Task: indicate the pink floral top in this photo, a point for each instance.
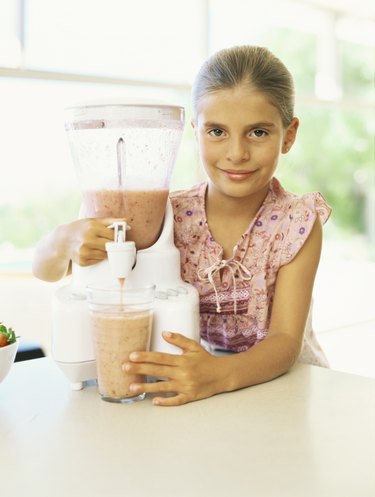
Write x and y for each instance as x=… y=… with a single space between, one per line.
x=236 y=294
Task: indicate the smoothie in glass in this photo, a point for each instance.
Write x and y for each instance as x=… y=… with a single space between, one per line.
x=121 y=323
x=115 y=336
x=143 y=210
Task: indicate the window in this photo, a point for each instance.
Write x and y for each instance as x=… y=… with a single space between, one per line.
x=131 y=39
x=10 y=46
x=56 y=53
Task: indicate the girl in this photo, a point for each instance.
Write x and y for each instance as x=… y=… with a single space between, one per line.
x=250 y=247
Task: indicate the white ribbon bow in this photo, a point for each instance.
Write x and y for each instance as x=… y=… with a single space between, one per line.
x=208 y=274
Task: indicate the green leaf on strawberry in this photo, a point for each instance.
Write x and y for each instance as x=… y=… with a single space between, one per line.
x=7 y=335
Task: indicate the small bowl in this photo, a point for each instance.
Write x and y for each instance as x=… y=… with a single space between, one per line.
x=7 y=356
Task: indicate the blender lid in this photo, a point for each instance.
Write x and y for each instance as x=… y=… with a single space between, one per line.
x=124 y=109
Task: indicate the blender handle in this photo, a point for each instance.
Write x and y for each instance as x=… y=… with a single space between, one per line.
x=120 y=227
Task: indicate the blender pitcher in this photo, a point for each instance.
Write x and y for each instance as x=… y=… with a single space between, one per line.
x=124 y=156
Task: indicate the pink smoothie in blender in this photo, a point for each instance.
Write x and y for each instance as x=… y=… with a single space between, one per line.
x=142 y=209
x=124 y=155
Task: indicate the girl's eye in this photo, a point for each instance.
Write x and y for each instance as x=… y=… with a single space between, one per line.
x=259 y=133
x=216 y=132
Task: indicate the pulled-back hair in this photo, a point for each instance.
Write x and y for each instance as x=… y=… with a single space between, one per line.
x=251 y=65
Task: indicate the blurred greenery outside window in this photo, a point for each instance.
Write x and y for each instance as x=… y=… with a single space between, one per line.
x=334 y=152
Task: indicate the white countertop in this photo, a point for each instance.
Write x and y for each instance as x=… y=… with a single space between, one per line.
x=310 y=433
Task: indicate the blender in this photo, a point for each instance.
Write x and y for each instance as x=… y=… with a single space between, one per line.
x=124 y=155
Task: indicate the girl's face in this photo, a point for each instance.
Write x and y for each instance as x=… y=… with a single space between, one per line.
x=240 y=136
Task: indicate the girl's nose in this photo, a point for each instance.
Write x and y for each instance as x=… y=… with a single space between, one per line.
x=238 y=150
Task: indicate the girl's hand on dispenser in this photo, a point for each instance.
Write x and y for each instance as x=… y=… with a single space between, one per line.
x=86 y=239
x=193 y=375
x=82 y=242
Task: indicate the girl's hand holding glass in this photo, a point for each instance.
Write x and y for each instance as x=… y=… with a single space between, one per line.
x=193 y=375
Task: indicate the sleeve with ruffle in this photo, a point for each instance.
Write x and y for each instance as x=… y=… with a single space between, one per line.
x=302 y=215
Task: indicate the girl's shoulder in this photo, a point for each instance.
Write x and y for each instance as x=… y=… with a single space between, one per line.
x=293 y=217
x=190 y=200
x=190 y=226
x=294 y=206
x=196 y=191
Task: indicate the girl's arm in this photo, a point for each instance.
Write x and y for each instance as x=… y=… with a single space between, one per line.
x=82 y=242
x=279 y=351
x=196 y=374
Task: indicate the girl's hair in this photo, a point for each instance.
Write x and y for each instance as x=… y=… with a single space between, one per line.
x=251 y=65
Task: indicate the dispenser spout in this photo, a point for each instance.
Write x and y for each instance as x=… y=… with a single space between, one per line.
x=121 y=254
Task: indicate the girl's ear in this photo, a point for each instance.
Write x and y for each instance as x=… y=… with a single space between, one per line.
x=290 y=135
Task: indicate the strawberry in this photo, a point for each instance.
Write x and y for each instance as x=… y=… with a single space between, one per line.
x=7 y=335
x=3 y=340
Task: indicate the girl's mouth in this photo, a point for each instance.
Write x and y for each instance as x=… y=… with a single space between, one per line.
x=236 y=175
